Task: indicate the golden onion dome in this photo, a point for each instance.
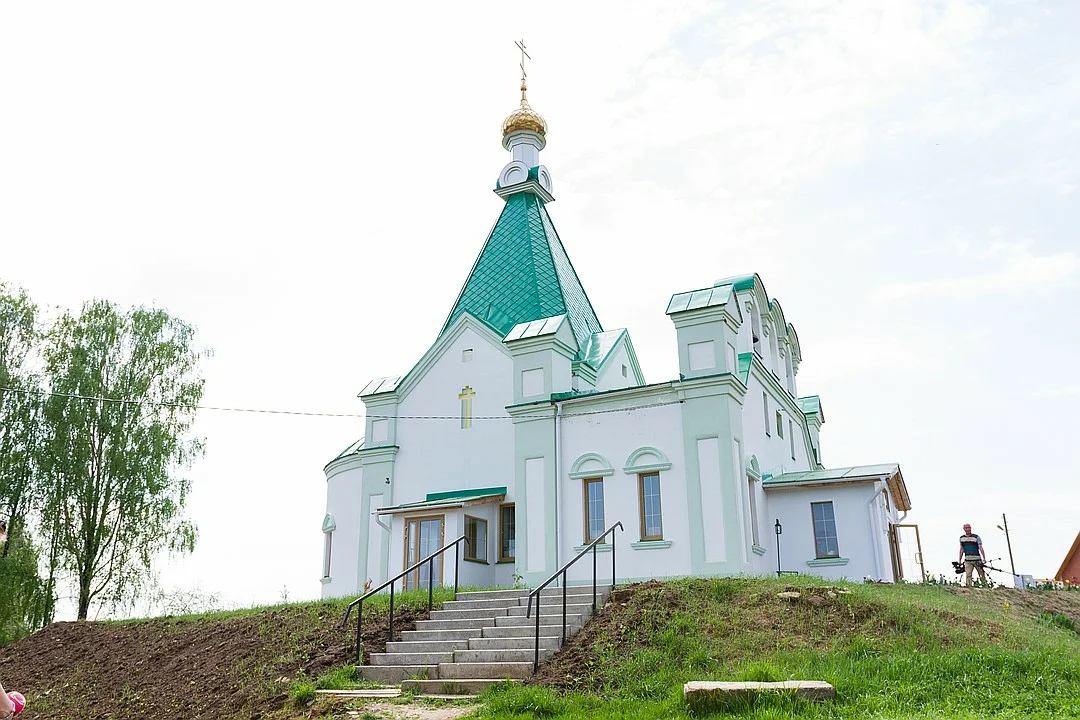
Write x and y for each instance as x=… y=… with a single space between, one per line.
x=524 y=118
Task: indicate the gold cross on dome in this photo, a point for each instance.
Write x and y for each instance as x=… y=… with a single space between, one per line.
x=466 y=397
x=521 y=46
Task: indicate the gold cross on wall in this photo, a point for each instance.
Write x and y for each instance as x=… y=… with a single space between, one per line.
x=466 y=397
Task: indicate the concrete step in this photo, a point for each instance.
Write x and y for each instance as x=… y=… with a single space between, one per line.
x=492 y=594
x=436 y=634
x=528 y=631
x=420 y=658
x=470 y=671
x=497 y=604
x=466 y=624
x=512 y=643
x=454 y=614
x=473 y=686
x=394 y=674
x=553 y=609
x=500 y=656
x=586 y=597
x=407 y=646
x=546 y=592
x=545 y=619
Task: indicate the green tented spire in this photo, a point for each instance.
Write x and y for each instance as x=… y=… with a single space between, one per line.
x=523 y=274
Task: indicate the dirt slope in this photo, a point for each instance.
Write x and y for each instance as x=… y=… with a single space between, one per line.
x=222 y=668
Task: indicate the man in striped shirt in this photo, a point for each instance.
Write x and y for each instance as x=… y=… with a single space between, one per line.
x=972 y=555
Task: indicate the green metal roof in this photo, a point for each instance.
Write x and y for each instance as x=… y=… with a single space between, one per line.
x=523 y=274
x=443 y=498
x=739 y=282
x=353 y=448
x=854 y=472
x=745 y=359
x=709 y=297
x=536 y=328
x=600 y=346
x=810 y=405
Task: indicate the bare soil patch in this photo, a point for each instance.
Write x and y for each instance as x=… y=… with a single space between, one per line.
x=222 y=668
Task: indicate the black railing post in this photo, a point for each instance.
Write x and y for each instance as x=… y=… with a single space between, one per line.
x=457 y=566
x=536 y=644
x=563 y=607
x=613 y=543
x=359 y=614
x=391 y=633
x=430 y=582
x=594 y=580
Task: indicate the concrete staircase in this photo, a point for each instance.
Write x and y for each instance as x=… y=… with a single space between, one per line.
x=479 y=639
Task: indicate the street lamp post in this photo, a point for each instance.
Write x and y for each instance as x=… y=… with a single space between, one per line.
x=779 y=531
x=1008 y=542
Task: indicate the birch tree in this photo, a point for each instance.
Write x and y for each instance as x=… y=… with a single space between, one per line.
x=124 y=386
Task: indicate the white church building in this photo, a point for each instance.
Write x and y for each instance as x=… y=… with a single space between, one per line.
x=529 y=428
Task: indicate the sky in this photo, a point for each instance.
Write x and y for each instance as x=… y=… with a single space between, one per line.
x=309 y=183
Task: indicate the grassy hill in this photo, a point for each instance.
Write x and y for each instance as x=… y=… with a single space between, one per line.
x=891 y=651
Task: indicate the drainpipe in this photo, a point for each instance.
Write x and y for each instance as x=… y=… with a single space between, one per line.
x=558 y=458
x=875 y=528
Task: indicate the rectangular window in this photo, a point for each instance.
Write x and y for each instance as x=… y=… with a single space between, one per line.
x=824 y=530
x=328 y=546
x=765 y=404
x=594 y=509
x=476 y=537
x=791 y=434
x=779 y=424
x=753 y=511
x=652 y=527
x=507 y=541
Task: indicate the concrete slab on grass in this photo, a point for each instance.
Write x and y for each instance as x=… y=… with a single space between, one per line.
x=701 y=693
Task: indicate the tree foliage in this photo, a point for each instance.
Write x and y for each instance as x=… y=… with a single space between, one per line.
x=96 y=411
x=117 y=492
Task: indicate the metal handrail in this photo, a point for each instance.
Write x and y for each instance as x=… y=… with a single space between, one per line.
x=358 y=603
x=562 y=571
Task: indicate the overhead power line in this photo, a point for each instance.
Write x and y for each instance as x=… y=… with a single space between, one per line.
x=302 y=413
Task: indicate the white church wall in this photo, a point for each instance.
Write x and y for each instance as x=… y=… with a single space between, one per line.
x=615 y=436
x=861 y=547
x=773 y=450
x=343 y=496
x=440 y=455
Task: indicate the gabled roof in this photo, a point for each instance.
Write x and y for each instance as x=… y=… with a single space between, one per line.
x=600 y=345
x=694 y=299
x=889 y=472
x=523 y=274
x=1068 y=558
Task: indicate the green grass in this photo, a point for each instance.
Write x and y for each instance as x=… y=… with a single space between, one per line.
x=891 y=652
